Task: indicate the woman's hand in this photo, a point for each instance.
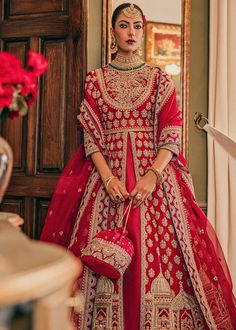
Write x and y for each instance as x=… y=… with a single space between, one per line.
x=143 y=188
x=117 y=190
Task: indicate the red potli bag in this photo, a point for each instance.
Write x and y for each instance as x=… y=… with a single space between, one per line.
x=110 y=252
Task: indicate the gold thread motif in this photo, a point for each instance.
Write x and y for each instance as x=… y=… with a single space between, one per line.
x=126 y=90
x=89 y=279
x=89 y=144
x=128 y=129
x=87 y=195
x=90 y=118
x=216 y=303
x=170 y=138
x=165 y=90
x=164 y=311
x=184 y=234
x=186 y=175
x=169 y=89
x=109 y=253
x=106 y=314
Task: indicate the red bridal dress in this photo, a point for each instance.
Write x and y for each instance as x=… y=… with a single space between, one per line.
x=178 y=277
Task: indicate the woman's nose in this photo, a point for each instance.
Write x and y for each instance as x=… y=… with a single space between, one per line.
x=131 y=31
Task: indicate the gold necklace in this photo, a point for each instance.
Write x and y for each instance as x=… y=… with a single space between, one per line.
x=131 y=62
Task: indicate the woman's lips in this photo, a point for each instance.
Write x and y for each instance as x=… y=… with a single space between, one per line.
x=131 y=42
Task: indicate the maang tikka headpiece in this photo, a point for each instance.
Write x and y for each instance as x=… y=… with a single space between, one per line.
x=132 y=12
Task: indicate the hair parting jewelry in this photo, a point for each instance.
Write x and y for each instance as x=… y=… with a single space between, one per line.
x=131 y=12
x=106 y=183
x=157 y=173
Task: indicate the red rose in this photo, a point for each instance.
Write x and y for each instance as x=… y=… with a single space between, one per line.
x=29 y=88
x=8 y=59
x=11 y=71
x=19 y=86
x=6 y=95
x=37 y=64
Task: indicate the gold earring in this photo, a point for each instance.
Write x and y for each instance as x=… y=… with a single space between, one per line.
x=140 y=51
x=113 y=46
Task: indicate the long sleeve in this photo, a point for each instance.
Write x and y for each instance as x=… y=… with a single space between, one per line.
x=169 y=121
x=89 y=144
x=89 y=117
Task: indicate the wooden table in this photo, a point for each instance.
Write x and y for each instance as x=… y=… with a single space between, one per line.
x=39 y=272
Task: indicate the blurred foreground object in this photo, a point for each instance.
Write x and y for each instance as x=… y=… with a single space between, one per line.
x=39 y=273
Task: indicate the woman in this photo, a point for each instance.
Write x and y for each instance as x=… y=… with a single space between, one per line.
x=178 y=278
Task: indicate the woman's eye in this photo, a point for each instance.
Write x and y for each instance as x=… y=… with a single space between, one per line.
x=139 y=26
x=123 y=26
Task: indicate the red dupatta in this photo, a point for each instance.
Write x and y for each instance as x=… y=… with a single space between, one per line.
x=199 y=232
x=64 y=206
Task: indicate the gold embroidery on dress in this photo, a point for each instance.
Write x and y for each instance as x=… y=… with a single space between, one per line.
x=85 y=119
x=216 y=303
x=106 y=306
x=87 y=195
x=183 y=231
x=92 y=114
x=166 y=89
x=167 y=86
x=89 y=279
x=165 y=311
x=128 y=129
x=89 y=144
x=126 y=90
x=109 y=252
x=170 y=138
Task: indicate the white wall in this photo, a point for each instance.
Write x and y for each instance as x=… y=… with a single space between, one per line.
x=166 y=11
x=94 y=34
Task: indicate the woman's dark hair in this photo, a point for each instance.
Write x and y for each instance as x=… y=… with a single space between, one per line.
x=119 y=9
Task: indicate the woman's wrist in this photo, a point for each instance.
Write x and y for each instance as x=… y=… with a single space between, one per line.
x=108 y=180
x=159 y=177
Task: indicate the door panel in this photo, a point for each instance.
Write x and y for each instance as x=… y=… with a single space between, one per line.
x=46 y=138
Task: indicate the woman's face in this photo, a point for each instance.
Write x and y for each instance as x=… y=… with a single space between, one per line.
x=128 y=33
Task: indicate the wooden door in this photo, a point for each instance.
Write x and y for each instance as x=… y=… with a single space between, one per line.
x=45 y=139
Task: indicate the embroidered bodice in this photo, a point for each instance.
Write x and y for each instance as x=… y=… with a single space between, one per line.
x=127 y=101
x=127 y=98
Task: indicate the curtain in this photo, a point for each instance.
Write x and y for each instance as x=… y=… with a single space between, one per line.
x=222 y=115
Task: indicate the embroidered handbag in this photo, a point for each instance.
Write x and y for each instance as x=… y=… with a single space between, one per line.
x=110 y=252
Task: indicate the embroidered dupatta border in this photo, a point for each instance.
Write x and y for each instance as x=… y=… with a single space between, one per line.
x=91 y=122
x=166 y=87
x=183 y=235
